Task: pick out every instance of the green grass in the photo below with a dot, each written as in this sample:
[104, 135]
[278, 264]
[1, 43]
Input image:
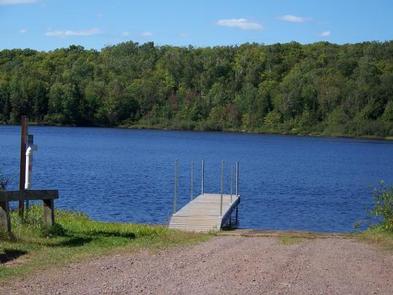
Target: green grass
[378, 236]
[289, 240]
[34, 247]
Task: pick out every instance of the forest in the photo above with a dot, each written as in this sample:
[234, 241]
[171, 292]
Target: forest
[319, 88]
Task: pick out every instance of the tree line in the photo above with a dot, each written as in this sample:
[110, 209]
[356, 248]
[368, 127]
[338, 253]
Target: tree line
[319, 88]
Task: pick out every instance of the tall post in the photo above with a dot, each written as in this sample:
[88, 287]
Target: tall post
[231, 182]
[176, 185]
[203, 178]
[237, 179]
[222, 186]
[22, 168]
[192, 180]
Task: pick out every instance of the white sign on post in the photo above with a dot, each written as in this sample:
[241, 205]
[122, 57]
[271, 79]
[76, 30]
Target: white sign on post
[29, 160]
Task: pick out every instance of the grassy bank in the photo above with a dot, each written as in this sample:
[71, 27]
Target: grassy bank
[75, 237]
[378, 236]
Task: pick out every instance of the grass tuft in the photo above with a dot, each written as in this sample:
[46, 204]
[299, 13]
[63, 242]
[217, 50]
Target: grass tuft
[289, 240]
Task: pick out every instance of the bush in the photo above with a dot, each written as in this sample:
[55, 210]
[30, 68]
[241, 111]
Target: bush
[383, 207]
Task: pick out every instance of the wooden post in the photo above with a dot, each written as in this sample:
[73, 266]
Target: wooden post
[49, 212]
[5, 222]
[22, 169]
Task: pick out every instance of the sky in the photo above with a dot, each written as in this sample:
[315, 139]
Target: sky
[50, 24]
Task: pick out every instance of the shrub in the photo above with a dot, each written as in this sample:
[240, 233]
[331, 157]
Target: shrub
[383, 207]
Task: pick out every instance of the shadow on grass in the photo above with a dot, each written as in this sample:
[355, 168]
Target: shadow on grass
[73, 242]
[78, 239]
[10, 254]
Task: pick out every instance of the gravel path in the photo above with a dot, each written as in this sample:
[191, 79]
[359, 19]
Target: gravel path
[226, 265]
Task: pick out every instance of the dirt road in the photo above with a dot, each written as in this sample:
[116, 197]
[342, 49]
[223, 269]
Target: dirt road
[227, 265]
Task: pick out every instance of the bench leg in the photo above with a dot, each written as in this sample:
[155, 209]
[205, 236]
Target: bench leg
[5, 221]
[49, 212]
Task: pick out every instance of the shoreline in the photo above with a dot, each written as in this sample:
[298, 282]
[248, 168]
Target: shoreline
[231, 131]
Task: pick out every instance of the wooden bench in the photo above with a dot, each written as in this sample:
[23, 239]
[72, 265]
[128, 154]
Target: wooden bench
[47, 196]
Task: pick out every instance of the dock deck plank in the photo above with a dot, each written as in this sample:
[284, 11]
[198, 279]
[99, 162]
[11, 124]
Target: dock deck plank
[202, 214]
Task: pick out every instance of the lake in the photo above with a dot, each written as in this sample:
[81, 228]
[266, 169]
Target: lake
[286, 182]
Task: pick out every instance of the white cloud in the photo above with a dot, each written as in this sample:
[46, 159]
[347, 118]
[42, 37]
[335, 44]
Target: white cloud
[325, 34]
[184, 35]
[293, 18]
[125, 34]
[16, 2]
[146, 34]
[241, 23]
[69, 33]
[22, 31]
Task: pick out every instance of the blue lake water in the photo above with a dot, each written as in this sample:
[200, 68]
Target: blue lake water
[286, 182]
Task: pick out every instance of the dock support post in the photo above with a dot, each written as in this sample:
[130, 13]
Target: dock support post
[176, 185]
[203, 178]
[222, 186]
[192, 181]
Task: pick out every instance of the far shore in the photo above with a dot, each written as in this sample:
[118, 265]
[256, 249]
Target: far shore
[146, 127]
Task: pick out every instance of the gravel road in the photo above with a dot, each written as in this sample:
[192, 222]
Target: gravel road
[226, 265]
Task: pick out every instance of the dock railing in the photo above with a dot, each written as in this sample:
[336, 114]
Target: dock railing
[206, 210]
[233, 182]
[236, 178]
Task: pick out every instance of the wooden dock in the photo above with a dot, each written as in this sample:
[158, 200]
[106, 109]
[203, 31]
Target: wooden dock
[205, 213]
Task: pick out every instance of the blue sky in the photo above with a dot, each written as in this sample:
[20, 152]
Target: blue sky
[50, 24]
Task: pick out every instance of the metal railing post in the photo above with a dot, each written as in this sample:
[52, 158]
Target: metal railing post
[222, 186]
[237, 179]
[176, 185]
[231, 180]
[192, 180]
[203, 178]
